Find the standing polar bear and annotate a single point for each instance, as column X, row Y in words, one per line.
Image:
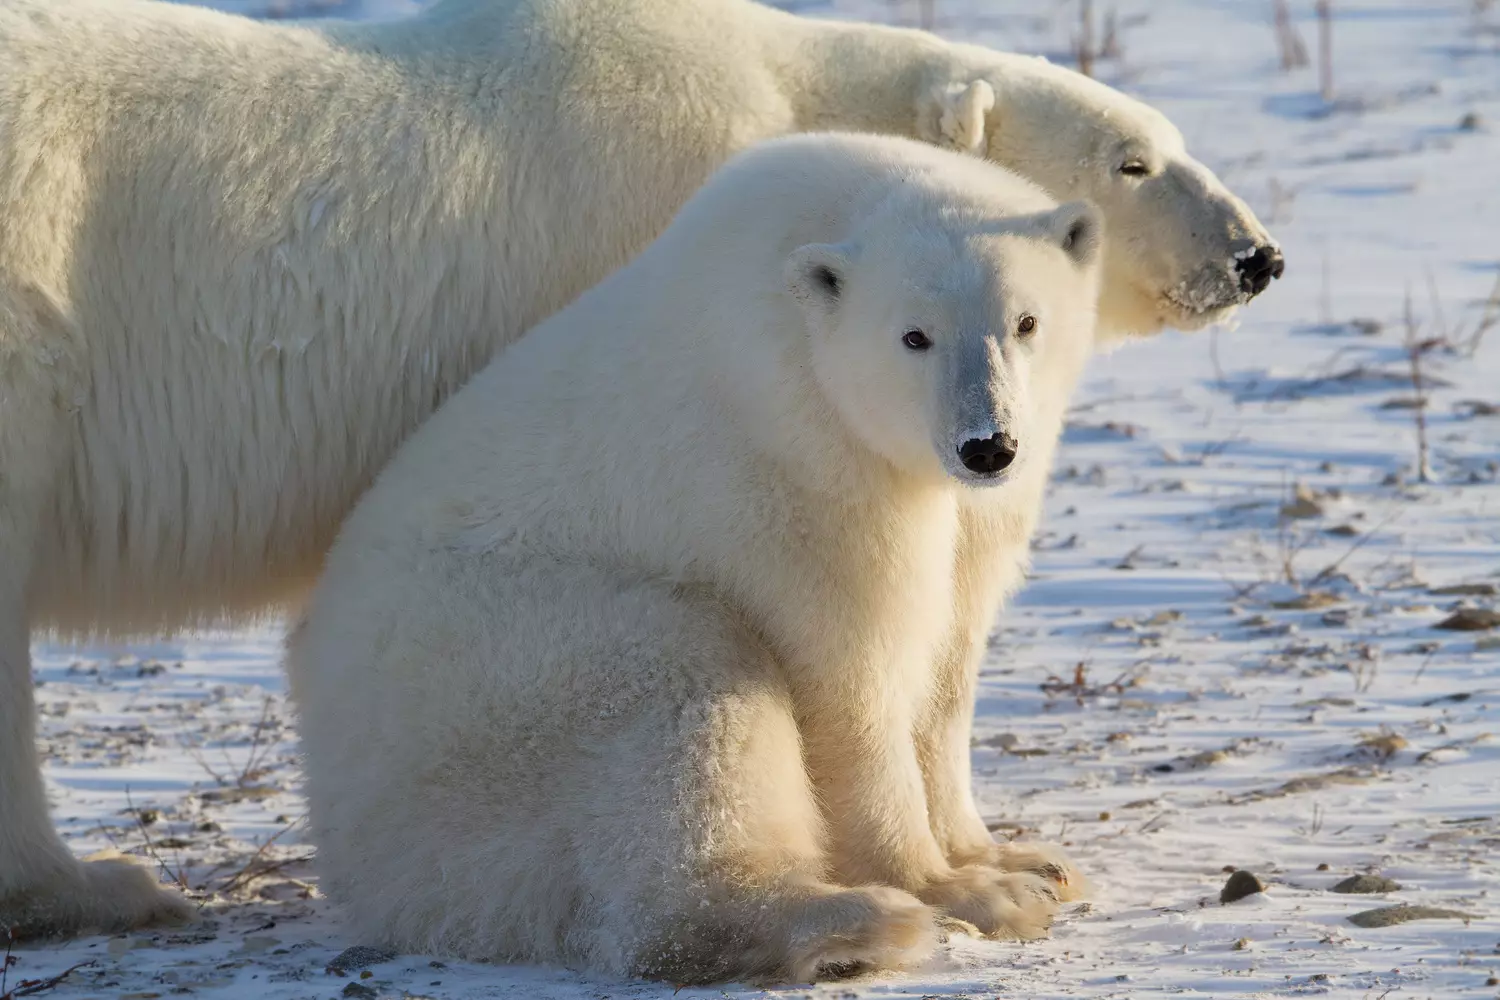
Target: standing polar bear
column 627, row 657
column 240, row 262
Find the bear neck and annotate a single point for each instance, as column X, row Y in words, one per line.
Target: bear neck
column 854, row 77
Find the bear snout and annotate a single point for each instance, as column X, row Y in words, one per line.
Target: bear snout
column 1257, row 269
column 988, row 456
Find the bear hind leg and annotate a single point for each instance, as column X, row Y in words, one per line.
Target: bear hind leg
column 746, row 830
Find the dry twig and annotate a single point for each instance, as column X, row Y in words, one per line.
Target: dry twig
column 1415, row 348
column 1325, row 48
column 1288, row 42
column 151, row 852
column 1084, row 46
column 31, row 987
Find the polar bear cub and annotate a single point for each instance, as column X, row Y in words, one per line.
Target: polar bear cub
column 619, row 662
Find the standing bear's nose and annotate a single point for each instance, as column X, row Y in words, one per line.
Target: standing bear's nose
column 1257, row 270
column 988, row 455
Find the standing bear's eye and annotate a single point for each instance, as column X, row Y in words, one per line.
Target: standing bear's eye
column 916, row 340
column 1027, row 325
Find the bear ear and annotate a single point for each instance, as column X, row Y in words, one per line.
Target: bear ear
column 815, row 274
column 1079, row 230
column 963, row 116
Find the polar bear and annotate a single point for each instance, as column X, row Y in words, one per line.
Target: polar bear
column 240, row 262
column 619, row 662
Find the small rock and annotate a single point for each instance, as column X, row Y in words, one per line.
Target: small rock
column 357, row 957
column 1240, row 885
column 1492, row 981
column 353, row 989
column 1381, row 746
column 1243, row 944
column 1305, row 503
column 1343, row 531
column 1470, row 122
column 1368, row 327
column 1365, row 884
column 1306, row 602
column 1470, row 620
column 1229, row 869
column 1467, row 590
column 1337, row 618
column 1323, row 866
column 1389, row 916
column 149, row 817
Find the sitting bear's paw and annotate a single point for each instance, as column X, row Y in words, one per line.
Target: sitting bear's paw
column 110, row 894
column 1047, row 860
column 858, row 930
column 1010, row 906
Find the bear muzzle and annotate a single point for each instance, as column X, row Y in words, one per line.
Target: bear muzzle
column 988, row 456
column 1258, row 268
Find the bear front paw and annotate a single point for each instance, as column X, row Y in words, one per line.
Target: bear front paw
column 1046, row 860
column 1013, row 906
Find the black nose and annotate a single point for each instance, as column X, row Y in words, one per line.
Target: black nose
column 1257, row 270
column 987, row 456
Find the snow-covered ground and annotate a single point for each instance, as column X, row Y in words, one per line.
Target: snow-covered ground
column 1227, row 655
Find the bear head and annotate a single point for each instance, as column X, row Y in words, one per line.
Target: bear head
column 1181, row 249
column 947, row 332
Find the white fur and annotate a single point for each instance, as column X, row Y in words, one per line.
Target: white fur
column 620, row 661
column 240, row 262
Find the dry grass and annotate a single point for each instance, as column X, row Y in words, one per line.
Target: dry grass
column 1325, row 48
column 1288, row 42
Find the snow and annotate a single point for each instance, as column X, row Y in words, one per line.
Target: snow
column 1226, row 655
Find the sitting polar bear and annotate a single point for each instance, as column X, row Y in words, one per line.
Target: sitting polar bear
column 649, row 622
column 240, row 262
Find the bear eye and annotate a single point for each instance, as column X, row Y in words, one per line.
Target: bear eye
column 1135, row 168
column 916, row 340
column 1027, row 325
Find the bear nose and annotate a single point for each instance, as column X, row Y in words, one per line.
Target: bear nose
column 988, row 455
column 1257, row 270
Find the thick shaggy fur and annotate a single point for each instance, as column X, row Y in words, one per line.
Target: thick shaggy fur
column 240, row 262
column 630, row 656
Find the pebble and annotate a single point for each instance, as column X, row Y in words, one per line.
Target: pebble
column 1365, row 884
column 1470, row 620
column 1240, row 885
column 1389, row 916
column 357, row 958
